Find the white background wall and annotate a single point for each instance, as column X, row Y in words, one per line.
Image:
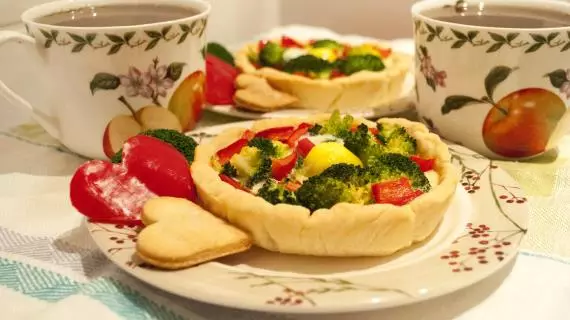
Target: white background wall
column 238, row 20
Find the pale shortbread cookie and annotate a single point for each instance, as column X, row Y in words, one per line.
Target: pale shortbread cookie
column 343, row 230
column 255, row 93
column 180, row 234
column 359, row 91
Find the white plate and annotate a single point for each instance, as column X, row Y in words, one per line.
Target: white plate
column 404, row 103
column 479, row 234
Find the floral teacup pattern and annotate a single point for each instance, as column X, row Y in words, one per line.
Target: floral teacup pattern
column 499, row 91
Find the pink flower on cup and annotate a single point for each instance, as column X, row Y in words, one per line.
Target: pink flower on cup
column 136, row 83
column 434, row 78
column 440, row 78
column 158, row 80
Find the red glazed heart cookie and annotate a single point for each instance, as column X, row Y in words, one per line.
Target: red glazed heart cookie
column 114, row 193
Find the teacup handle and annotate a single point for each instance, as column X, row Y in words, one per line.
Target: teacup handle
column 46, row 121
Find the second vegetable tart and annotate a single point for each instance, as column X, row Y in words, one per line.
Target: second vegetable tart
column 325, row 74
column 328, row 185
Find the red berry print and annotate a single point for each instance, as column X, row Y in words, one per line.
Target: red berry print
column 470, row 180
column 486, row 246
column 290, row 297
column 509, row 194
column 121, row 235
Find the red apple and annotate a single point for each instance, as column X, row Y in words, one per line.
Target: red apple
column 188, row 100
column 521, row 123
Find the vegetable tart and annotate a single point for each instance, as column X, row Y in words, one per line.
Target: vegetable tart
column 325, row 74
column 328, row 185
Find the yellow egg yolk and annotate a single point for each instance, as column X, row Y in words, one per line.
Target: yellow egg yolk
column 326, row 154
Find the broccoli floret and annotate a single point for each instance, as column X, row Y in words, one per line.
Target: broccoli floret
column 362, row 144
column 299, row 163
column 246, row 162
column 353, row 64
column 391, row 166
column 252, row 166
column 348, row 173
column 183, row 143
column 271, row 55
column 337, row 125
column 386, row 129
column 262, row 173
column 400, row 141
column 281, row 149
column 315, row 129
column 311, row 65
column 229, row 170
column 117, row 157
column 327, row 43
column 266, row 146
column 275, row 193
column 324, row 192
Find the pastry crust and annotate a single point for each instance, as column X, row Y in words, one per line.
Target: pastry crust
column 362, row 90
column 343, row 230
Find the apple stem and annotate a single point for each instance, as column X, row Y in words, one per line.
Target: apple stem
column 126, row 103
column 502, row 110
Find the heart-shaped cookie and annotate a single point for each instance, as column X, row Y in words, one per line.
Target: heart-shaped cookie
column 180, row 234
column 115, row 193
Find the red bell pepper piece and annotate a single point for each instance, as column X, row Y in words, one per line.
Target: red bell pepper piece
column 298, row 133
column 288, row 42
column 280, row 168
column 233, row 182
column 261, row 44
column 424, row 164
column 279, row 133
column 293, row 185
column 385, row 52
column 224, row 155
column 397, row 192
column 248, row 134
column 346, row 50
column 373, row 131
column 304, row 147
column 336, row 74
